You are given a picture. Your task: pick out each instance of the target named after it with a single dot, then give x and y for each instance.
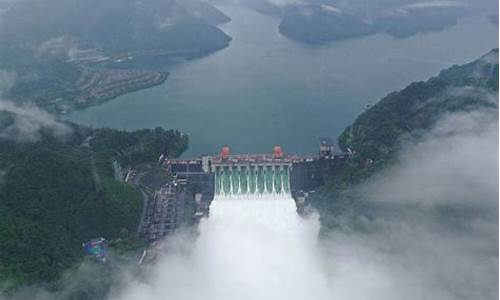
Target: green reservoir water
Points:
(265, 89)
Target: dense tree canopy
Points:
(57, 193)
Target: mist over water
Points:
(253, 248)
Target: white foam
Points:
(249, 248)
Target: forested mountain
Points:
(400, 119)
(113, 27)
(59, 188)
(321, 21)
(375, 133)
(320, 24)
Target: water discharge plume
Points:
(251, 247)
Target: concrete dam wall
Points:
(200, 180)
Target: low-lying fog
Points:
(432, 234)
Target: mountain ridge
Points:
(398, 120)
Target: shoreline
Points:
(100, 86)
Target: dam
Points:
(251, 174)
(227, 176)
(255, 226)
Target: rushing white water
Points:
(252, 181)
(249, 248)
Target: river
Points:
(265, 89)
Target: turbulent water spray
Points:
(252, 180)
(253, 246)
(257, 247)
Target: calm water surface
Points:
(265, 89)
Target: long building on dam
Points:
(248, 174)
(197, 182)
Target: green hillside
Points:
(380, 132)
(58, 192)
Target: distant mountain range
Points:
(69, 61)
(113, 27)
(321, 23)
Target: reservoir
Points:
(265, 89)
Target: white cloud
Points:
(438, 3)
(434, 233)
(433, 236)
(24, 123)
(456, 163)
(61, 46)
(7, 80)
(331, 9)
(283, 3)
